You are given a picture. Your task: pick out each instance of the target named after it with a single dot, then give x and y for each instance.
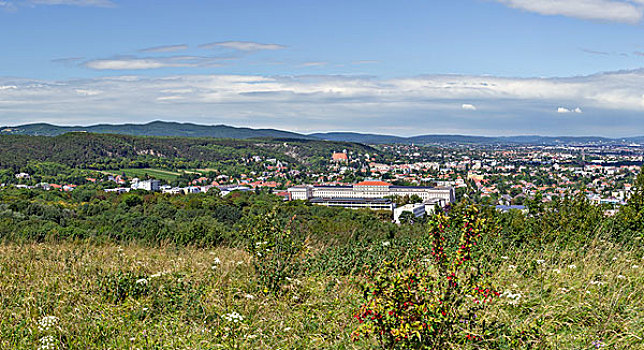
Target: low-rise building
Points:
(416, 209)
(148, 185)
(371, 189)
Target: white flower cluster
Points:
(386, 244)
(47, 343)
(159, 274)
(233, 317)
(47, 322)
(260, 245)
(215, 263)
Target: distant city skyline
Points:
(473, 67)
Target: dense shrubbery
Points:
(438, 301)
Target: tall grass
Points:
(62, 296)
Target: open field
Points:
(160, 174)
(99, 297)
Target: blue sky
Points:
(484, 67)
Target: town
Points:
(398, 177)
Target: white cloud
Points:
(626, 11)
(141, 63)
(83, 92)
(567, 110)
(7, 6)
(127, 64)
(243, 46)
(420, 104)
(166, 48)
(314, 64)
(7, 87)
(468, 107)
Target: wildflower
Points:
(216, 261)
(512, 267)
(141, 281)
(47, 343)
(505, 257)
(386, 244)
(635, 267)
(597, 283)
(621, 277)
(564, 290)
(233, 317)
(249, 296)
(556, 271)
(614, 258)
(598, 344)
(287, 329)
(572, 266)
(540, 261)
(47, 322)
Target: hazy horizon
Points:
(315, 132)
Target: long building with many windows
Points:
(368, 190)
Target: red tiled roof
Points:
(373, 183)
(340, 156)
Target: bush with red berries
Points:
(438, 301)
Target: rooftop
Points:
(372, 183)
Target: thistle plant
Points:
(276, 252)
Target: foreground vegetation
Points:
(124, 297)
(88, 270)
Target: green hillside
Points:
(157, 128)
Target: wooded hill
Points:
(87, 150)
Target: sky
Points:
(412, 67)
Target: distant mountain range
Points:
(157, 128)
(161, 128)
(480, 140)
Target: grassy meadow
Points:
(90, 296)
(165, 175)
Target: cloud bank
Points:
(626, 11)
(613, 102)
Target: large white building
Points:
(148, 185)
(370, 190)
